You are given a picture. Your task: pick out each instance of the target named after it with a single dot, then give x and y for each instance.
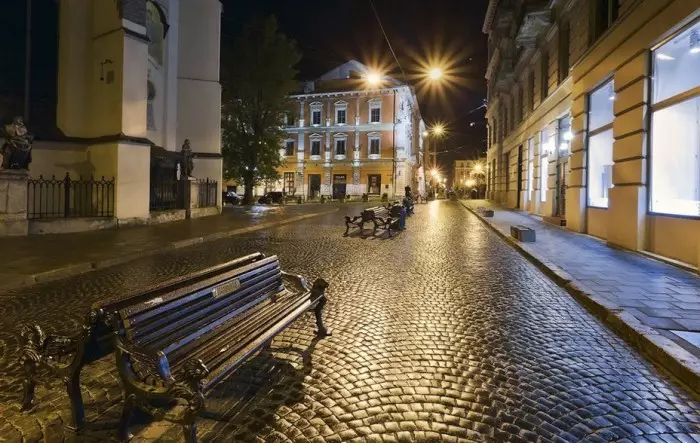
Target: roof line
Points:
(490, 15)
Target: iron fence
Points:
(208, 193)
(67, 198)
(166, 194)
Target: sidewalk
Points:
(654, 305)
(28, 260)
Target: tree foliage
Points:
(260, 73)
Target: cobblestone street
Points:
(442, 333)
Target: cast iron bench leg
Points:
(76, 401)
(127, 413)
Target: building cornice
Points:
(358, 93)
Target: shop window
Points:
(544, 163)
(530, 165)
(600, 144)
(675, 126)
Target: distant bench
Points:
(179, 346)
(382, 217)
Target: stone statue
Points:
(17, 149)
(187, 160)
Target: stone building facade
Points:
(111, 80)
(593, 118)
(350, 138)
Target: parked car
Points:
(271, 197)
(231, 198)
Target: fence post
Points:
(66, 199)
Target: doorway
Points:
(374, 184)
(314, 185)
(520, 176)
(339, 186)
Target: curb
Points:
(27, 280)
(660, 350)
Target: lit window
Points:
(530, 165)
(675, 126)
(289, 148)
(600, 145)
(544, 163)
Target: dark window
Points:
(531, 91)
(340, 116)
(375, 115)
(563, 51)
(289, 183)
(316, 118)
(374, 146)
(605, 12)
(315, 147)
(340, 147)
(289, 149)
(545, 75)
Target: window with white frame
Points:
(675, 125)
(289, 148)
(316, 147)
(375, 141)
(341, 113)
(544, 163)
(316, 111)
(340, 145)
(600, 144)
(375, 111)
(530, 166)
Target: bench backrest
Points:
(176, 318)
(377, 212)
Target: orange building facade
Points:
(348, 139)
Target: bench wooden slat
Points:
(199, 319)
(246, 352)
(190, 292)
(202, 304)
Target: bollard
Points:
(402, 219)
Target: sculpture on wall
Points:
(187, 163)
(17, 149)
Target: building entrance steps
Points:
(654, 305)
(35, 259)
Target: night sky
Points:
(330, 32)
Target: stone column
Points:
(13, 202)
(628, 199)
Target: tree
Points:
(255, 87)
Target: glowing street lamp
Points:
(374, 78)
(478, 168)
(471, 182)
(438, 129)
(435, 74)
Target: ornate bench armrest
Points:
(297, 281)
(136, 363)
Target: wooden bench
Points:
(62, 357)
(174, 349)
(358, 221)
(385, 217)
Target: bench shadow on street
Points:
(242, 407)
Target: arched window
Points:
(156, 28)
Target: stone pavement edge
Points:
(659, 349)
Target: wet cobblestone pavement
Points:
(443, 333)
